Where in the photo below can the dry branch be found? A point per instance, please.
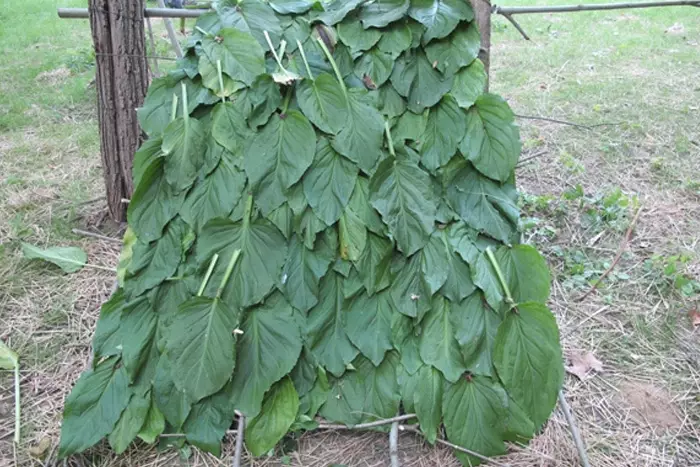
(364, 426)
(239, 442)
(566, 408)
(171, 32)
(518, 10)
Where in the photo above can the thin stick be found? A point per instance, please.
(590, 7)
(239, 442)
(85, 233)
(207, 276)
(537, 155)
(444, 442)
(394, 445)
(517, 26)
(171, 32)
(501, 278)
(623, 247)
(364, 426)
(156, 70)
(564, 122)
(18, 419)
(566, 408)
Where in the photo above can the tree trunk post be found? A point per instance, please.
(482, 13)
(121, 81)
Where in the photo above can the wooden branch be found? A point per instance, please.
(239, 442)
(518, 10)
(444, 442)
(623, 247)
(364, 426)
(156, 71)
(517, 26)
(394, 445)
(171, 32)
(566, 408)
(567, 123)
(82, 13)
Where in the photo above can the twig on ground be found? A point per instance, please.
(239, 442)
(517, 26)
(566, 408)
(537, 155)
(171, 32)
(362, 426)
(85, 233)
(394, 445)
(565, 122)
(623, 247)
(481, 457)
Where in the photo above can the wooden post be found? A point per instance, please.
(482, 12)
(122, 81)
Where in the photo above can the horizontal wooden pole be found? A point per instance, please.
(519, 10)
(82, 13)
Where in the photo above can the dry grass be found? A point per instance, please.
(642, 410)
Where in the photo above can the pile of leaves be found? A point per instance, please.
(325, 224)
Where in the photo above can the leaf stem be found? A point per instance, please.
(272, 49)
(206, 33)
(185, 113)
(248, 211)
(499, 274)
(173, 110)
(387, 130)
(207, 276)
(287, 99)
(17, 405)
(306, 62)
(336, 70)
(227, 275)
(221, 80)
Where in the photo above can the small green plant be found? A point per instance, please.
(672, 273)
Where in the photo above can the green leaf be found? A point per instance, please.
(475, 402)
(441, 17)
(286, 7)
(302, 272)
(326, 324)
(153, 426)
(403, 195)
(323, 102)
(184, 145)
(149, 151)
(278, 156)
(337, 10)
(459, 283)
(214, 196)
(528, 359)
(395, 39)
(69, 259)
(241, 57)
(475, 324)
(409, 127)
(137, 330)
(405, 336)
(153, 204)
(9, 360)
(352, 235)
(409, 291)
(305, 373)
(229, 129)
(438, 346)
(360, 206)
(356, 37)
(264, 97)
(279, 410)
(469, 84)
(524, 270)
(427, 400)
(106, 342)
(360, 139)
(311, 402)
(391, 103)
(209, 419)
(93, 407)
(456, 51)
(415, 78)
(130, 422)
(263, 253)
(267, 351)
(381, 13)
(493, 141)
(364, 394)
(483, 204)
(308, 226)
(375, 65)
(374, 264)
(251, 16)
(329, 182)
(369, 325)
(435, 263)
(443, 132)
(200, 346)
(173, 403)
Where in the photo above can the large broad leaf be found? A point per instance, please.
(366, 393)
(369, 325)
(405, 335)
(93, 407)
(455, 51)
(427, 400)
(403, 195)
(278, 156)
(441, 17)
(409, 291)
(472, 402)
(357, 38)
(374, 67)
(395, 39)
(137, 329)
(483, 204)
(524, 270)
(325, 331)
(459, 283)
(434, 258)
(149, 151)
(228, 129)
(154, 424)
(415, 77)
(263, 253)
(209, 420)
(475, 324)
(279, 410)
(130, 422)
(361, 208)
(528, 359)
(443, 132)
(173, 403)
(374, 264)
(70, 259)
(269, 349)
(323, 102)
(251, 16)
(285, 7)
(493, 141)
(469, 84)
(214, 196)
(380, 14)
(438, 346)
(360, 139)
(200, 345)
(409, 127)
(184, 146)
(241, 57)
(303, 271)
(391, 103)
(107, 340)
(329, 182)
(337, 10)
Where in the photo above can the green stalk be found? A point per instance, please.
(227, 275)
(499, 274)
(173, 111)
(17, 404)
(387, 129)
(274, 52)
(336, 70)
(248, 211)
(207, 276)
(306, 62)
(185, 113)
(208, 34)
(221, 79)
(287, 99)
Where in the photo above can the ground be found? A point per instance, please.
(631, 76)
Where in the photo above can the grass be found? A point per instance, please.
(630, 69)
